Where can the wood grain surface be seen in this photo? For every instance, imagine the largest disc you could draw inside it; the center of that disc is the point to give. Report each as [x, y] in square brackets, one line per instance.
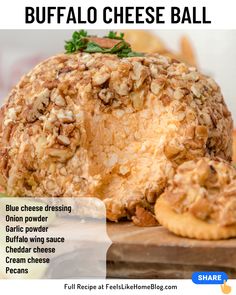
[154, 252]
[141, 252]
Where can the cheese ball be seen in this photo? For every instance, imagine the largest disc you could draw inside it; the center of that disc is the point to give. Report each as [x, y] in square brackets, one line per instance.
[113, 128]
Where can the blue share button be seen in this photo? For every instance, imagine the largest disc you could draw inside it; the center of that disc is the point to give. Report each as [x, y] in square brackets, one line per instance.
[209, 277]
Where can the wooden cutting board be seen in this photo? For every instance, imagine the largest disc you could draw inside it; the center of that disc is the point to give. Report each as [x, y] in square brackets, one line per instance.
[154, 252]
[144, 252]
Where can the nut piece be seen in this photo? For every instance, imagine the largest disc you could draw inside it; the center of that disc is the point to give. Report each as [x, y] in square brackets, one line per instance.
[60, 155]
[201, 131]
[106, 95]
[60, 101]
[212, 83]
[195, 90]
[101, 76]
[137, 99]
[38, 107]
[144, 218]
[178, 94]
[171, 150]
[152, 192]
[155, 87]
[120, 80]
[140, 73]
[62, 139]
[166, 100]
[154, 70]
[65, 116]
[50, 185]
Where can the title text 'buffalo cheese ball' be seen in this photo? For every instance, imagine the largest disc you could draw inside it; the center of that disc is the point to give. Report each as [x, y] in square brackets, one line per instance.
[114, 128]
[200, 201]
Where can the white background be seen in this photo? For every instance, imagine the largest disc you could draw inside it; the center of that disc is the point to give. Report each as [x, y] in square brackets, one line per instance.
[185, 287]
[221, 13]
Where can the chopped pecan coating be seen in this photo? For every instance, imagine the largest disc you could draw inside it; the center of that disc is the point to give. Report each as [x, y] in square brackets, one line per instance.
[102, 126]
[206, 188]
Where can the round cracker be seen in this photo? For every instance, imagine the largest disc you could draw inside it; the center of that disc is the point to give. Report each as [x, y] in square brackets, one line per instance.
[186, 225]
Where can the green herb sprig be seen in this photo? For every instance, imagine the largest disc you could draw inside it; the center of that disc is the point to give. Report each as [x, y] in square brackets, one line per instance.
[80, 42]
[114, 35]
[77, 42]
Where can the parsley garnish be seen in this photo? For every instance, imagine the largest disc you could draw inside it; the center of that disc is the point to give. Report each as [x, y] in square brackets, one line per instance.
[77, 42]
[113, 35]
[80, 42]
